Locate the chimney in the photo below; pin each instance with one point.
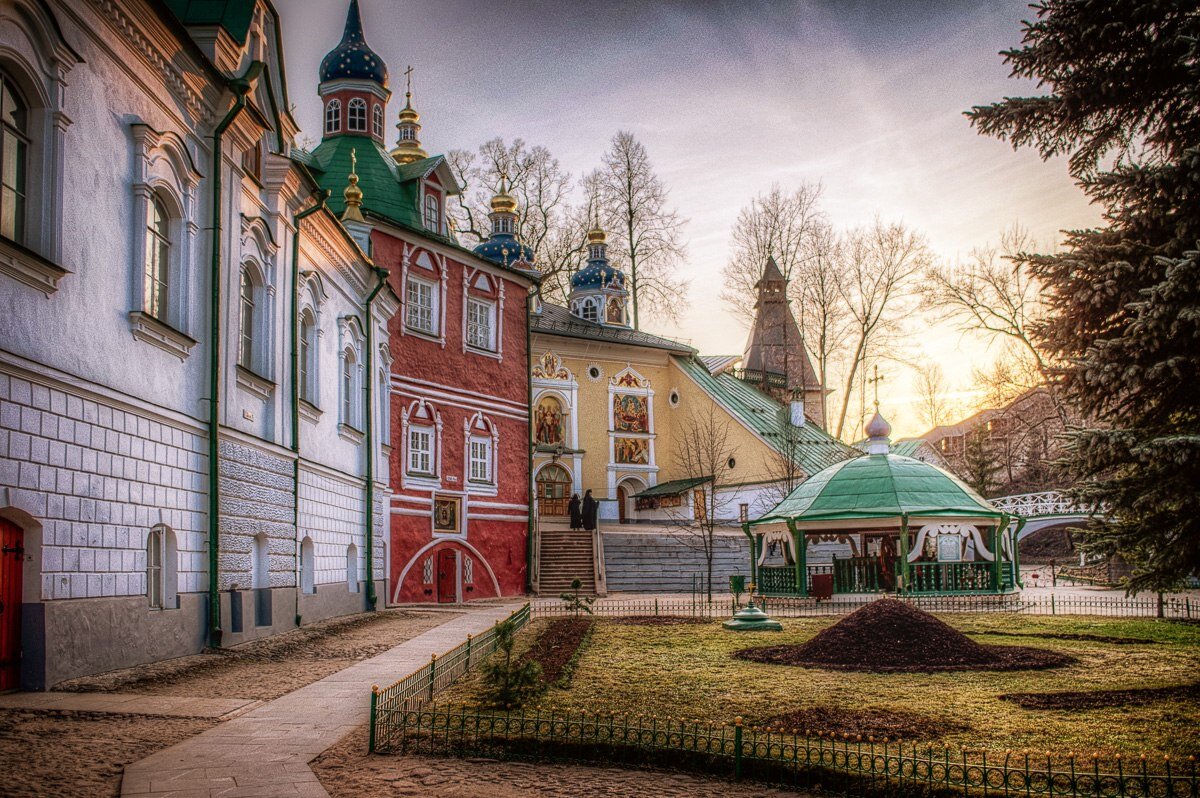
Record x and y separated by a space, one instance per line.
797 408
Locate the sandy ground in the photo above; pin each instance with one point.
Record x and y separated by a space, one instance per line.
347 771
67 754
266 669
80 754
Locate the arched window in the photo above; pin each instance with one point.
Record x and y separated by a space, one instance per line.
333 116
503 225
161 568
308 355
350 371
385 408
377 120
356 115
589 311
248 321
433 214
157 283
407 134
352 568
308 577
260 579
14 156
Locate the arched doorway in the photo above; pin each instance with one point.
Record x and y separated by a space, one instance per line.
12 562
626 490
553 491
622 503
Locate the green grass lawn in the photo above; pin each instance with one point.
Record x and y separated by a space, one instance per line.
687 671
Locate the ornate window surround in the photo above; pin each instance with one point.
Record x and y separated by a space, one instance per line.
311 299
480 428
421 413
351 341
640 387
492 292
427 266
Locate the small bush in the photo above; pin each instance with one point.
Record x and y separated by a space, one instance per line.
507 680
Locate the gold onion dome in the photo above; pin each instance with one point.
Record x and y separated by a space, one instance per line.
503 202
596 235
353 194
408 147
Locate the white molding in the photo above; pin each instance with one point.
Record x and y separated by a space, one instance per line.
154 332
254 384
31 269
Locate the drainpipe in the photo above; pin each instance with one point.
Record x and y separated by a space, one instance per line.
241 87
321 196
529 438
369 415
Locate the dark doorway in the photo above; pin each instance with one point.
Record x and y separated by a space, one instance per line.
12 561
447 576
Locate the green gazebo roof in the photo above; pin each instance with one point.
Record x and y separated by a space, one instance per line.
879 487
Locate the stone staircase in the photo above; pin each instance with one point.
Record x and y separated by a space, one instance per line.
565 555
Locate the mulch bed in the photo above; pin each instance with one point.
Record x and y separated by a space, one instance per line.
556 646
889 636
1116 641
660 620
878 723
1099 699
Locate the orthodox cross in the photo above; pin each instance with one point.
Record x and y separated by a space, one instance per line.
408 80
878 378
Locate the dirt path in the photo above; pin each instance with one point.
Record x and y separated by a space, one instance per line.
67 754
267 669
347 771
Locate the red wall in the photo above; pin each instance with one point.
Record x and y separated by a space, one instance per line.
466 383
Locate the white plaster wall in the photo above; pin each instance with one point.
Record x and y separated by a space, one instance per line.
99 474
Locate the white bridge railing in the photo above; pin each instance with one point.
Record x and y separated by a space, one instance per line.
1033 505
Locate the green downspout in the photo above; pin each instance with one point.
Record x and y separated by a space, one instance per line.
529 437
369 416
998 565
241 87
753 554
1016 552
321 196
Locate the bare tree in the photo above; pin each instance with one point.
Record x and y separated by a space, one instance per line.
702 451
818 292
878 264
645 233
775 225
548 224
933 404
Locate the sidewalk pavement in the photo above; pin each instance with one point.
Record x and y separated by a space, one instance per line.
265 752
169 706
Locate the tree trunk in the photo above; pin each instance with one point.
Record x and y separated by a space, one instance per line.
858 350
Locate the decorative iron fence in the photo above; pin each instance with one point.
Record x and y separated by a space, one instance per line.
1172 607
806 760
420 686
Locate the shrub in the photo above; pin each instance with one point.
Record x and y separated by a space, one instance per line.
507 681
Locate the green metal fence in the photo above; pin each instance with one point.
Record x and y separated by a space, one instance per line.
806 760
1173 607
420 686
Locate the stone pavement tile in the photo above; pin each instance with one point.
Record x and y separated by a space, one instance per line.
126 703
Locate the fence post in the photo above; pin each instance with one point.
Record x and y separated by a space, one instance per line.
432 673
468 652
374 704
737 747
1052 612
1160 604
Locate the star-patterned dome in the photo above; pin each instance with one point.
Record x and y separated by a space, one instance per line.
352 59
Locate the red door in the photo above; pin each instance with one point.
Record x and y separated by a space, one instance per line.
447 576
12 556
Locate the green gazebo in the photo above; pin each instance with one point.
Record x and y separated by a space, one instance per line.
911 528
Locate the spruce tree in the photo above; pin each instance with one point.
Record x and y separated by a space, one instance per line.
1122 100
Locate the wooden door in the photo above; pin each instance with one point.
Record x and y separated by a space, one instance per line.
553 491
12 556
622 502
447 576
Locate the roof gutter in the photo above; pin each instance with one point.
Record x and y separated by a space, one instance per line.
241 88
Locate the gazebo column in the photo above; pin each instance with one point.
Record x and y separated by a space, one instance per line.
998 555
904 565
753 554
1016 553
800 547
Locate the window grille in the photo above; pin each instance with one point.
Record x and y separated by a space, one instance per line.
333 116
421 307
14 156
158 260
356 115
479 325
427 571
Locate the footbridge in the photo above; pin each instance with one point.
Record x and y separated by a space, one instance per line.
1041 510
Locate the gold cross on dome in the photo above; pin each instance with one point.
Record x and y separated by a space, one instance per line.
878 378
408 79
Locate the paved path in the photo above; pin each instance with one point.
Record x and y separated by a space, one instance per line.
128 703
266 752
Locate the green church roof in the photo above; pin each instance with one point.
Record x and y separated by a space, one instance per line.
234 16
812 447
881 486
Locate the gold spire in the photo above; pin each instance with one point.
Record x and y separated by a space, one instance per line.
503 202
408 145
353 193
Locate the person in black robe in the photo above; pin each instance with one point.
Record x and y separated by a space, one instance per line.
590 506
576 513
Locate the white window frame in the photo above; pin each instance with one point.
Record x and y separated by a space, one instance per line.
431 211
480 460
487 340
411 465
309 384
351 385
333 116
251 310
356 115
377 120
588 310
412 309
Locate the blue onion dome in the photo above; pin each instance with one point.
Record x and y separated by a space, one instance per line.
503 248
597 274
352 59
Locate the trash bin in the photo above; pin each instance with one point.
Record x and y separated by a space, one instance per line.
821 587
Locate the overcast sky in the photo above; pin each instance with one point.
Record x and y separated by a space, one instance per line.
730 97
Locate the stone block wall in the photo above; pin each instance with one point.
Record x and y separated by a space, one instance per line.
333 514
256 497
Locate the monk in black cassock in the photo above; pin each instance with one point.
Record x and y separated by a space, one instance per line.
576 513
590 506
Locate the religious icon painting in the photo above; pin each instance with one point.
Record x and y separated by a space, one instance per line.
632 451
549 428
446 515
629 413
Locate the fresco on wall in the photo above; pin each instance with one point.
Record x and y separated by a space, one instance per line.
629 413
632 451
549 427
445 515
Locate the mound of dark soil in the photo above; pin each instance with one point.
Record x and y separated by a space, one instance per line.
1116 641
893 724
1098 699
660 620
556 646
890 636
